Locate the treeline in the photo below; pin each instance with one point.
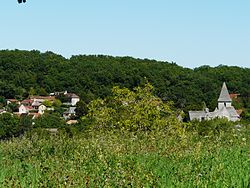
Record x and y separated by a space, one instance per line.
31 72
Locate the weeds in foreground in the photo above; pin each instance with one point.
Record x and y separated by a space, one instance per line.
126 159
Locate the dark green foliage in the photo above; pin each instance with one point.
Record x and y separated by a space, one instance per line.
49 121
2 102
11 125
8 125
63 98
81 109
246 115
12 107
91 77
25 123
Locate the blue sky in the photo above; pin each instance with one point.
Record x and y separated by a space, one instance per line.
189 32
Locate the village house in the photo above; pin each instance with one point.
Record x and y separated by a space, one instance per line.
73 98
41 99
12 101
27 102
71 122
41 109
224 109
69 113
36 106
2 111
24 109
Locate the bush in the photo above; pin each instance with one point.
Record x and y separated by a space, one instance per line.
211 127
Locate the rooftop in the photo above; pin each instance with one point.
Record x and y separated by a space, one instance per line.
224 94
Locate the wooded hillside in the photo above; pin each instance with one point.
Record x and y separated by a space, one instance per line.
32 72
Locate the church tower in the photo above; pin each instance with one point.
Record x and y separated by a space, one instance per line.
224 99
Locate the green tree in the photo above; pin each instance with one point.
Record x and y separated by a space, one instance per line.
47 103
49 121
81 109
9 125
131 110
57 103
32 91
42 92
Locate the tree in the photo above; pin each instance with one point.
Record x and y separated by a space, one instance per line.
32 91
9 125
57 103
42 92
131 110
49 121
2 102
47 103
81 109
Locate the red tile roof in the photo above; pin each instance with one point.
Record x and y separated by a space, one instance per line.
239 112
234 95
43 97
29 107
12 100
26 101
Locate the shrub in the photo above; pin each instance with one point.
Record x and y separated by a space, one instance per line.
211 127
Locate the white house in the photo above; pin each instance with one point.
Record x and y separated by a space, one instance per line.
74 99
41 109
224 109
36 104
24 109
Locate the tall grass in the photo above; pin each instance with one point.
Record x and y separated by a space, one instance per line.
126 159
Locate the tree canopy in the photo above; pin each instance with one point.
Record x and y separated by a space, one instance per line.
26 73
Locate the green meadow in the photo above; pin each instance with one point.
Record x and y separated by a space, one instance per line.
116 158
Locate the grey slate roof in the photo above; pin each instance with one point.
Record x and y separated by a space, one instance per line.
229 112
224 95
71 110
232 111
196 115
224 110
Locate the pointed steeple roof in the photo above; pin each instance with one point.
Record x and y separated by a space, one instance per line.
224 95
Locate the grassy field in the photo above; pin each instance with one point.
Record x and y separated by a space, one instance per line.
126 159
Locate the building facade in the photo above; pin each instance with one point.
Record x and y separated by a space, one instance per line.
223 110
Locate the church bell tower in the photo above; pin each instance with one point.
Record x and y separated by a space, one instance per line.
224 99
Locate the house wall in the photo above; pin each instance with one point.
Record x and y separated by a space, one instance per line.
22 110
224 104
74 101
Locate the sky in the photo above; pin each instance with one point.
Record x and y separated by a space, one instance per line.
190 33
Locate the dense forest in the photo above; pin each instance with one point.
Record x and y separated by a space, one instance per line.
93 76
